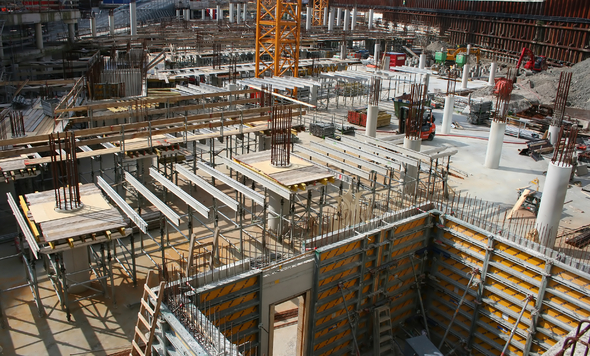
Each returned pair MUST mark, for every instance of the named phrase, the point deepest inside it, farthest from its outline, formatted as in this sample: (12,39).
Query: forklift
(428,126)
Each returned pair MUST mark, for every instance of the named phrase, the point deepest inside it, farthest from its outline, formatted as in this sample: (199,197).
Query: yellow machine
(453,52)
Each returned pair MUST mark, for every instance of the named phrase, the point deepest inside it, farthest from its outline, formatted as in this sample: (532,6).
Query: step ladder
(147,317)
(382,334)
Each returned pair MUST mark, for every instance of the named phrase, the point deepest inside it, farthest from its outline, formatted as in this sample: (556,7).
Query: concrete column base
(551,208)
(371,128)
(448,114)
(494,152)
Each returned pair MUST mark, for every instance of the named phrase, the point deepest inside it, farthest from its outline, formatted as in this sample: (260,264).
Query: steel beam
(23,226)
(169,213)
(249,193)
(355,160)
(363,153)
(121,203)
(347,167)
(378,150)
(201,183)
(184,196)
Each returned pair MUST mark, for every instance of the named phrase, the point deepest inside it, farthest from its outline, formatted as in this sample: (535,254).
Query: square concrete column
(39,35)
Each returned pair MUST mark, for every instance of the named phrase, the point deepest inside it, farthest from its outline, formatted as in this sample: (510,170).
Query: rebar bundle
(563,90)
(64,168)
(503,91)
(17,124)
(280,147)
(374,91)
(565,146)
(416,106)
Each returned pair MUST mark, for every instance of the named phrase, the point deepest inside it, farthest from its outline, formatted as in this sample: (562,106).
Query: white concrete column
(232,98)
(93,25)
(218,13)
(245,14)
(343,51)
(422,62)
(448,114)
(370,23)
(111,22)
(313,100)
(494,152)
(76,260)
(274,204)
(72,31)
(133,17)
(376,53)
(353,22)
(493,68)
(325,20)
(231,12)
(553,134)
(385,64)
(346,20)
(331,21)
(465,76)
(238,13)
(187,14)
(551,208)
(178,13)
(203,14)
(308,17)
(412,172)
(39,35)
(372,114)
(338,16)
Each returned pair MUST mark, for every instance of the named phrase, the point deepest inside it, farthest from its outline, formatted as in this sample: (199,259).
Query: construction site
(288,178)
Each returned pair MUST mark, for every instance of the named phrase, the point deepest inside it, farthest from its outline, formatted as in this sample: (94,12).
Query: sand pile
(436,46)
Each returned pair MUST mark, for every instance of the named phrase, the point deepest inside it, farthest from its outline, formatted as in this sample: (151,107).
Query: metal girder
(201,183)
(169,213)
(278,34)
(23,225)
(258,178)
(378,150)
(338,175)
(397,148)
(184,196)
(345,166)
(355,160)
(249,193)
(121,203)
(363,153)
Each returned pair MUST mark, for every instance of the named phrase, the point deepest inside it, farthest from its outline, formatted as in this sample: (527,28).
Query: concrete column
(39,35)
(422,62)
(412,172)
(465,76)
(493,69)
(245,14)
(314,95)
(343,51)
(448,114)
(76,260)
(72,31)
(203,14)
(331,21)
(338,16)
(385,64)
(495,142)
(325,20)
(93,25)
(371,128)
(353,22)
(376,53)
(370,23)
(551,208)
(133,17)
(178,13)
(218,13)
(231,12)
(232,98)
(111,22)
(346,20)
(238,13)
(187,14)
(553,134)
(274,204)
(308,17)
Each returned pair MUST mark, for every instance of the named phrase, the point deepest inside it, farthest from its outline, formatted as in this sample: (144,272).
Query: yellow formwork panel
(331,304)
(452,288)
(400,306)
(336,289)
(532,274)
(236,329)
(500,330)
(563,318)
(571,277)
(509,277)
(414,236)
(464,244)
(227,289)
(338,276)
(466,257)
(332,327)
(410,225)
(504,288)
(520,254)
(398,286)
(401,316)
(506,317)
(340,263)
(454,301)
(399,274)
(462,279)
(407,249)
(583,313)
(467,232)
(331,340)
(250,339)
(340,250)
(484,345)
(232,303)
(557,331)
(458,265)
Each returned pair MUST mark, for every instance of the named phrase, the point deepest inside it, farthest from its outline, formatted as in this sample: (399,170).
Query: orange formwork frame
(278,35)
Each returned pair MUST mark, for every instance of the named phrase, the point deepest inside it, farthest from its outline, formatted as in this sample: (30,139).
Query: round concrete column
(274,204)
(465,76)
(448,114)
(76,260)
(178,13)
(72,31)
(553,134)
(187,14)
(314,95)
(551,208)
(413,144)
(411,176)
(346,20)
(308,17)
(343,51)
(372,113)
(39,35)
(218,13)
(376,54)
(238,13)
(370,23)
(245,14)
(338,16)
(495,142)
(422,63)
(231,12)
(93,25)
(353,22)
(331,21)
(111,22)
(493,68)
(133,17)
(325,20)
(203,14)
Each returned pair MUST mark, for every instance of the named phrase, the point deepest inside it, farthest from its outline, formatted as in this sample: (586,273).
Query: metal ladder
(382,335)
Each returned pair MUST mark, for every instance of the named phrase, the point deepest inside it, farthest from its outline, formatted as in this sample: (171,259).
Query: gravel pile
(436,46)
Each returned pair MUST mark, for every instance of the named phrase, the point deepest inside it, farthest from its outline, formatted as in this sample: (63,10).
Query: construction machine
(535,63)
(456,56)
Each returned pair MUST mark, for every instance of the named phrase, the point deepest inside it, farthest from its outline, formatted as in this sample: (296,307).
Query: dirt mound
(436,46)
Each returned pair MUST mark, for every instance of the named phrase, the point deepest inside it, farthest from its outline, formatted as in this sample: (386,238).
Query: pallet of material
(359,117)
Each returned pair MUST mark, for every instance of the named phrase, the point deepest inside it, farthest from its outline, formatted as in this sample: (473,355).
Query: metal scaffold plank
(121,203)
(347,167)
(160,205)
(355,160)
(201,183)
(184,196)
(23,225)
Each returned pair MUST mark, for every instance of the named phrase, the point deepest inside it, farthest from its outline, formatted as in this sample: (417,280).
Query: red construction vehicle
(535,63)
(428,126)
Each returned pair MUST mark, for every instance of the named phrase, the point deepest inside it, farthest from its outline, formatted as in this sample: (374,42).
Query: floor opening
(288,327)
